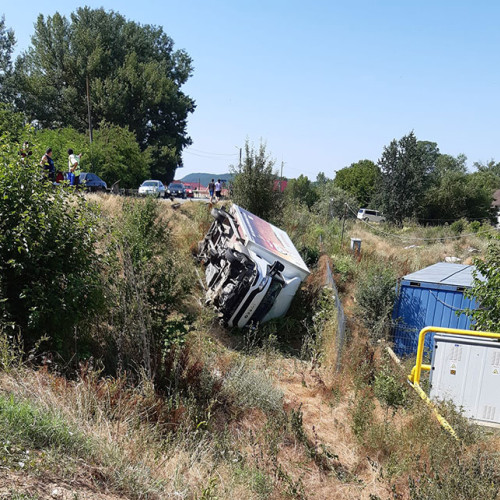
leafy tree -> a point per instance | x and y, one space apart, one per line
487 290
302 191
321 179
334 202
449 164
430 153
11 124
253 183
360 180
404 178
134 75
456 195
488 174
7 43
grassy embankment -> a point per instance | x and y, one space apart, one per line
261 415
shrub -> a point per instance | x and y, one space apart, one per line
147 280
48 261
458 226
375 296
253 184
389 389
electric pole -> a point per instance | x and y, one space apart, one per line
88 108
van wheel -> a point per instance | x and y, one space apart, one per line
217 215
366 219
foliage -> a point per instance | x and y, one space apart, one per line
146 282
359 180
134 76
389 389
454 195
403 182
48 262
11 124
463 478
7 43
301 191
375 296
253 183
114 154
487 290
332 202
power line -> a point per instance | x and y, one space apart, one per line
209 152
209 157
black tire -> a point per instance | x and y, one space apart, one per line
233 256
217 215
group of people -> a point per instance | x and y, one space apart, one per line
215 190
49 168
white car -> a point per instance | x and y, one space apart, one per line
369 215
152 188
252 268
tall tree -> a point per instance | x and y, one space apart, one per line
253 183
7 43
134 76
359 180
301 191
404 178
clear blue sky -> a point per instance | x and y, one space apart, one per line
323 83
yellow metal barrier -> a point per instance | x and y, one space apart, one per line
414 377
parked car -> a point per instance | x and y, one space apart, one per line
176 190
92 182
369 215
252 268
189 193
152 188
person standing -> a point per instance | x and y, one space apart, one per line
48 165
218 190
74 167
211 190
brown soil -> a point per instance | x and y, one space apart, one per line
48 488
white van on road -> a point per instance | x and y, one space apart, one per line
369 215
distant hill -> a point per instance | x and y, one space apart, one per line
204 179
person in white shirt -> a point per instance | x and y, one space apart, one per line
74 167
218 189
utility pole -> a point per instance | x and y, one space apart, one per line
88 108
343 225
281 175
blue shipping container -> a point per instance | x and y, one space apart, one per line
433 296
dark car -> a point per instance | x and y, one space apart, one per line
92 182
176 190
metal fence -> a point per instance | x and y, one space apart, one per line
341 321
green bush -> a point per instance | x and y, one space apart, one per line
458 226
50 270
389 389
146 281
375 296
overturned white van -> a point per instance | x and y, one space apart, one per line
253 270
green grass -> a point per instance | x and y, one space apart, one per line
24 424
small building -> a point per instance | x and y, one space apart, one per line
433 296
